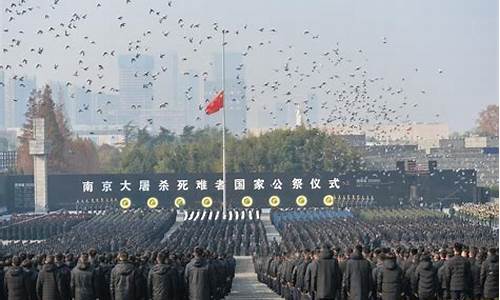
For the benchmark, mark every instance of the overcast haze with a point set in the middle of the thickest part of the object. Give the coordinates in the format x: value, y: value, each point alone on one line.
x: 459, y: 37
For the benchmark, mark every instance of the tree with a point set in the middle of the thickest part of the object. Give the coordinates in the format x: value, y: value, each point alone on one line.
x: 65, y: 154
x: 488, y: 121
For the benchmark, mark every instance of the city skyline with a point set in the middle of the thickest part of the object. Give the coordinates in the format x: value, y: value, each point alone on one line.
x: 452, y: 61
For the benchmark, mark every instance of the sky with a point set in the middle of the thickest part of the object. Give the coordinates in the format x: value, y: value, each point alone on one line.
x: 442, y: 54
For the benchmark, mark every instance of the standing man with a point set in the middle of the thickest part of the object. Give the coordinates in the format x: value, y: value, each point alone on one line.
x: 83, y: 280
x: 16, y: 282
x: 162, y: 281
x: 200, y: 284
x: 357, y: 279
x: 46, y: 284
x: 124, y: 283
x: 390, y: 278
x: 489, y: 275
x: 327, y: 276
x: 458, y: 275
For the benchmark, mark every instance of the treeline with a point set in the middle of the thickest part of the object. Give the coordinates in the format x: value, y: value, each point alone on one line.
x: 195, y: 150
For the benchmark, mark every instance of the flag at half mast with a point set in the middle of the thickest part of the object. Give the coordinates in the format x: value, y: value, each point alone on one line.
x: 216, y: 104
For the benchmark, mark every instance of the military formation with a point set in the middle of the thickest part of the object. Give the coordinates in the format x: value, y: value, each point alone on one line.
x: 383, y: 273
x: 201, y: 275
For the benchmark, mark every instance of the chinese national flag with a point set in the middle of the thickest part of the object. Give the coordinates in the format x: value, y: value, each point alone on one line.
x: 216, y: 104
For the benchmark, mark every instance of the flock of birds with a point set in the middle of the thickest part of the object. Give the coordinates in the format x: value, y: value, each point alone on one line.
x: 332, y: 89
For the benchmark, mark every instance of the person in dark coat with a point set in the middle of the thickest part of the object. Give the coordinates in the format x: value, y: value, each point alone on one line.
x: 425, y: 282
x: 357, y: 279
x: 489, y: 275
x: 103, y: 277
x: 16, y: 285
x: 46, y: 284
x: 389, y: 278
x: 83, y: 280
x: 200, y: 284
x: 327, y: 276
x: 458, y: 275
x: 162, y: 280
x: 63, y: 277
x: 31, y: 276
x: 475, y: 268
x: 124, y: 283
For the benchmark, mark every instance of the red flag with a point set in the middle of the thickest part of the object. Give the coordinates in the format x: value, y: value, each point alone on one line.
x: 216, y: 104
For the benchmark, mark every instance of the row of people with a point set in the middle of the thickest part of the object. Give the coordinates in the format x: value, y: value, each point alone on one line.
x: 229, y: 236
x: 154, y: 276
x: 330, y: 273
x: 131, y: 230
x: 40, y: 227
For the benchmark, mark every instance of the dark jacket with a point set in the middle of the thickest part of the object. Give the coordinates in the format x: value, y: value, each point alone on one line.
x: 310, y: 280
x: 389, y: 280
x: 458, y: 275
x: 63, y: 278
x: 83, y: 282
x: 46, y: 284
x: 475, y: 269
x: 357, y: 279
x: 162, y: 282
x: 124, y: 284
x: 103, y: 280
x: 426, y: 281
x: 489, y: 277
x: 327, y: 276
x: 16, y: 284
x: 199, y: 280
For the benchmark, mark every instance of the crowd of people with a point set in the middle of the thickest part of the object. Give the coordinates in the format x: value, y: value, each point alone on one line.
x: 93, y: 275
x: 330, y: 272
x: 380, y: 254
x: 39, y: 227
x: 242, y: 233
x: 108, y: 231
x: 126, y: 260
x: 480, y: 211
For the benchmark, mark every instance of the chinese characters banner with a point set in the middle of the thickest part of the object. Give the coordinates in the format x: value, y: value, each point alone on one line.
x: 243, y: 189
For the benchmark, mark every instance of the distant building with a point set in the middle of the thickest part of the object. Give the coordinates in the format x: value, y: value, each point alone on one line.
x: 104, y: 134
x: 16, y: 100
x: 7, y: 161
x: 353, y: 140
x: 235, y: 101
x: 2, y: 100
x: 136, y: 89
x: 480, y: 141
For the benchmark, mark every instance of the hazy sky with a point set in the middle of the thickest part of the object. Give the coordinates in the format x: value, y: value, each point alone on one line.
x: 459, y: 37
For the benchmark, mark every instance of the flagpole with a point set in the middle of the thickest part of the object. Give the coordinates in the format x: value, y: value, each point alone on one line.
x: 224, y: 203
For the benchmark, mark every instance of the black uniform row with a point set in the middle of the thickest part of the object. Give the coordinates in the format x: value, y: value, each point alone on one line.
x: 155, y: 276
x: 132, y: 230
x: 41, y: 227
x: 235, y: 237
x: 326, y: 273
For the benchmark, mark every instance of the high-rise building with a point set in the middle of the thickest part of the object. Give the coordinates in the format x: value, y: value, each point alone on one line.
x: 169, y: 109
x: 17, y: 94
x: 82, y: 109
x: 189, y: 95
x: 2, y: 100
x: 234, y: 95
x: 312, y: 110
x: 136, y: 89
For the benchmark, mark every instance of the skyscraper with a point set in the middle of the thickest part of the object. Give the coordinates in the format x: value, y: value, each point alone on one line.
x: 2, y: 100
x: 312, y: 110
x: 189, y: 94
x: 17, y: 94
x: 234, y: 94
x: 169, y: 108
x: 136, y: 89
